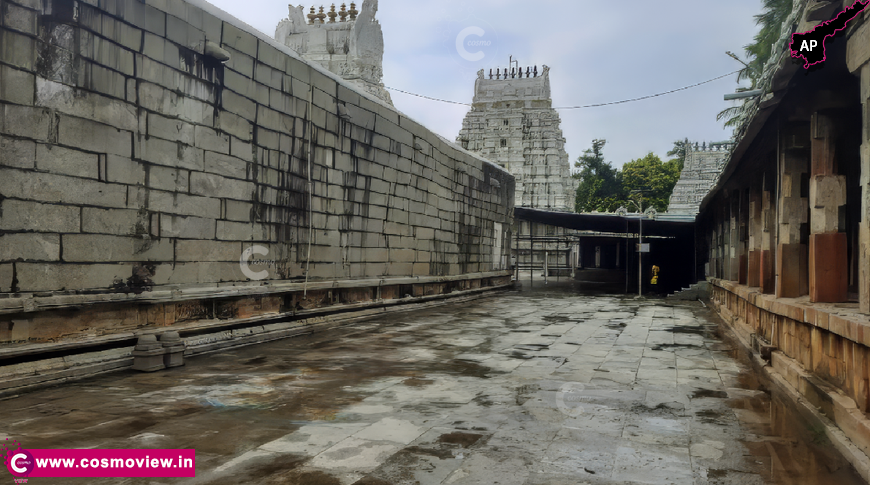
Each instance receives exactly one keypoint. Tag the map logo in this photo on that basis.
(810, 46)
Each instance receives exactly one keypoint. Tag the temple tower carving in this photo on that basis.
(348, 42)
(512, 122)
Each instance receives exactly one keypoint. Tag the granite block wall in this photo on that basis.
(133, 161)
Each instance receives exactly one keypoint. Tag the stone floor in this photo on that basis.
(533, 386)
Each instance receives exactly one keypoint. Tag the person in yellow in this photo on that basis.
(655, 278)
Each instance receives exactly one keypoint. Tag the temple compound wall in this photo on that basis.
(512, 122)
(701, 170)
(164, 166)
(785, 233)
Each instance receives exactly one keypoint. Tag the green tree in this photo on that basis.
(652, 176)
(679, 152)
(600, 186)
(773, 15)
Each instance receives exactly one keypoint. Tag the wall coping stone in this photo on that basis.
(843, 319)
(30, 302)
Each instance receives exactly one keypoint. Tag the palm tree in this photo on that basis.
(774, 13)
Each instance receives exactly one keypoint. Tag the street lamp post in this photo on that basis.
(640, 251)
(639, 240)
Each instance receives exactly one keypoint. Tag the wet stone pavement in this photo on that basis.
(540, 386)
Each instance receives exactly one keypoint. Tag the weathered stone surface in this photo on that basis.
(17, 49)
(103, 248)
(60, 188)
(29, 247)
(217, 186)
(16, 86)
(121, 222)
(168, 153)
(169, 179)
(82, 104)
(24, 121)
(48, 277)
(211, 140)
(20, 19)
(92, 136)
(168, 129)
(186, 227)
(50, 158)
(226, 165)
(168, 103)
(187, 250)
(17, 153)
(124, 170)
(21, 215)
(173, 203)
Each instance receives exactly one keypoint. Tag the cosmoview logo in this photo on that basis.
(245, 262)
(462, 41)
(19, 462)
(473, 44)
(569, 397)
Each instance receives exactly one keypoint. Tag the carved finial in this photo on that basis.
(490, 73)
(528, 71)
(536, 71)
(332, 14)
(321, 16)
(513, 72)
(353, 11)
(311, 16)
(343, 13)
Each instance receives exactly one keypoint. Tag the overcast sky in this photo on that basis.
(597, 51)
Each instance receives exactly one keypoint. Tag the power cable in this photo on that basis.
(584, 106)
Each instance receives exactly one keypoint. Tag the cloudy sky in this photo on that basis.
(597, 51)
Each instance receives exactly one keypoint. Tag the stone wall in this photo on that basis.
(136, 169)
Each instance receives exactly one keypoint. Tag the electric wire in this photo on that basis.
(584, 106)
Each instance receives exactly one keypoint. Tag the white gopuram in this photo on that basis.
(350, 43)
(512, 122)
(701, 170)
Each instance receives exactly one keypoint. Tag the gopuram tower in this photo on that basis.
(349, 43)
(512, 122)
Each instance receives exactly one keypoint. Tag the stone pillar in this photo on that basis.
(864, 235)
(792, 278)
(858, 63)
(755, 227)
(742, 236)
(767, 257)
(727, 225)
(828, 252)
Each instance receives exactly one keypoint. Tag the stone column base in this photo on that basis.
(753, 270)
(828, 265)
(791, 270)
(767, 276)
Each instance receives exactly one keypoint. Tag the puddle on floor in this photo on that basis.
(785, 448)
